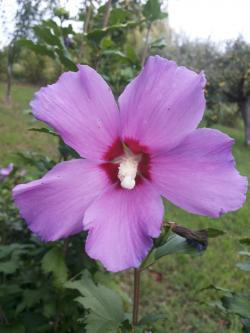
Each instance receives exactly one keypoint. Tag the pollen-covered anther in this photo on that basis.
(127, 172)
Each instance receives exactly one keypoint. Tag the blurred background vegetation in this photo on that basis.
(115, 37)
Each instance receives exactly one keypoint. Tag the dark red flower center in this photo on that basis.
(128, 162)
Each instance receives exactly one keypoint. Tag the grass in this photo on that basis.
(176, 295)
(15, 122)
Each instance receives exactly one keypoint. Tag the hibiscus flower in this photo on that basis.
(132, 153)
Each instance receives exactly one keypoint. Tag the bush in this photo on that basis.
(223, 113)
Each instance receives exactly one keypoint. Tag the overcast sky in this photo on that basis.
(217, 20)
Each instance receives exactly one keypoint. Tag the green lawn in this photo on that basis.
(182, 276)
(15, 122)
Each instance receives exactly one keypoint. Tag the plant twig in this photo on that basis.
(136, 302)
(89, 10)
(145, 51)
(107, 13)
(86, 26)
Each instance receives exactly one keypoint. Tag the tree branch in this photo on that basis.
(145, 51)
(107, 13)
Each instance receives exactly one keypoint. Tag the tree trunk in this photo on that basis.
(247, 127)
(11, 53)
(9, 85)
(245, 111)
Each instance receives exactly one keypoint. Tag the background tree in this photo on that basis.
(234, 68)
(28, 13)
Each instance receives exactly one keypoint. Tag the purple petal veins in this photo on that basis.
(148, 149)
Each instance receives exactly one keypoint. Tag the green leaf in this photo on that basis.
(238, 304)
(149, 260)
(246, 325)
(98, 34)
(116, 53)
(217, 288)
(65, 151)
(97, 324)
(68, 30)
(53, 25)
(11, 254)
(106, 309)
(61, 12)
(217, 304)
(244, 266)
(54, 262)
(43, 130)
(9, 267)
(118, 15)
(172, 245)
(107, 43)
(37, 48)
(13, 329)
(49, 310)
(175, 244)
(46, 35)
(65, 60)
(41, 162)
(162, 239)
(132, 56)
(245, 241)
(244, 253)
(9, 289)
(159, 43)
(212, 232)
(152, 11)
(151, 318)
(30, 297)
(7, 250)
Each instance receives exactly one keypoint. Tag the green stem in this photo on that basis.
(136, 303)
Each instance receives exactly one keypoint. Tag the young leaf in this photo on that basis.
(212, 232)
(175, 244)
(246, 325)
(68, 63)
(244, 266)
(37, 48)
(13, 329)
(172, 245)
(53, 25)
(10, 266)
(46, 35)
(217, 288)
(29, 298)
(43, 130)
(151, 318)
(54, 262)
(245, 241)
(106, 309)
(244, 253)
(238, 304)
(152, 11)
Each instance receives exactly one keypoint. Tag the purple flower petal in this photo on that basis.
(199, 175)
(162, 104)
(4, 172)
(121, 224)
(81, 108)
(54, 205)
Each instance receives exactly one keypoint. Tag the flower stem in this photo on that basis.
(137, 284)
